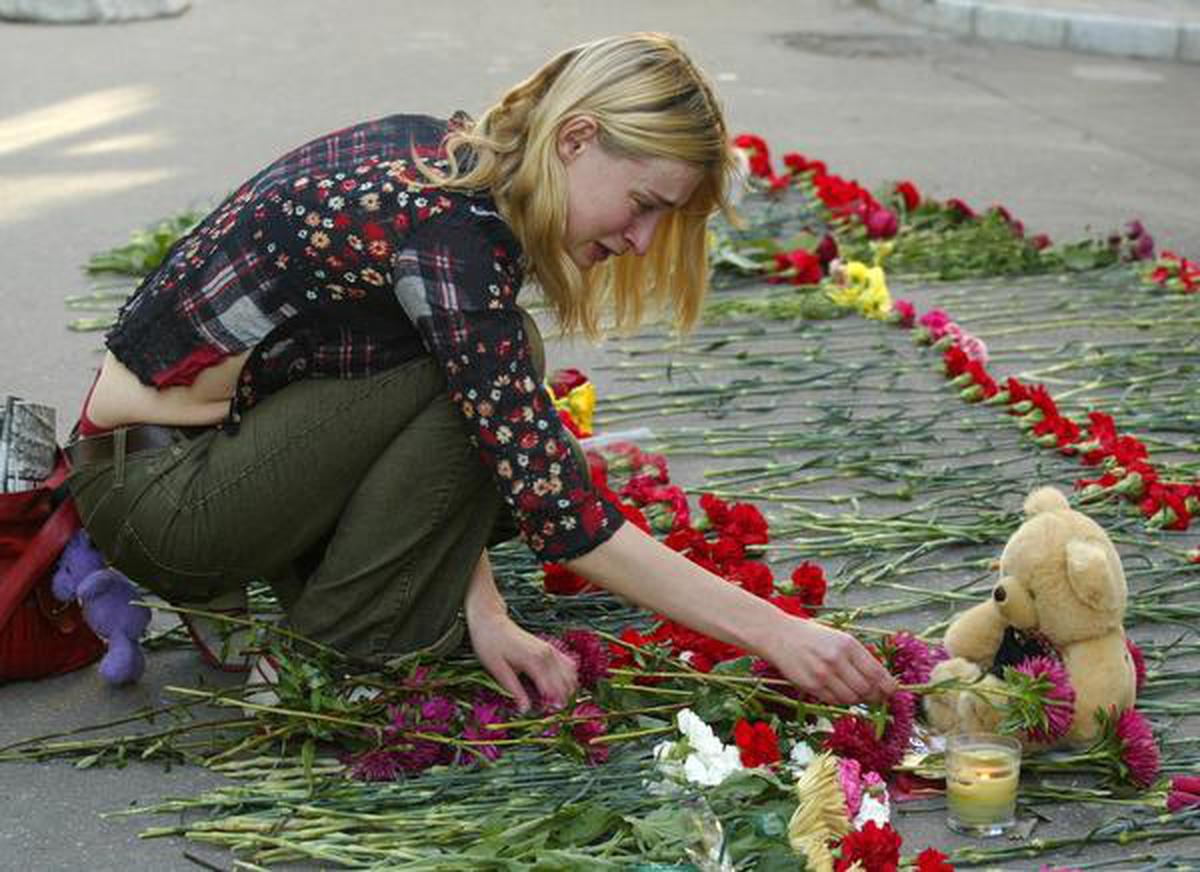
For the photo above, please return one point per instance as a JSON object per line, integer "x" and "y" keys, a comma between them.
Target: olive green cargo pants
{"x": 360, "y": 501}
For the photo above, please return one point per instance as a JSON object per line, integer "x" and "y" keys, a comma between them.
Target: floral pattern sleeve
{"x": 458, "y": 285}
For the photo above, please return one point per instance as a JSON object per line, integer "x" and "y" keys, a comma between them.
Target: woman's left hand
{"x": 507, "y": 652}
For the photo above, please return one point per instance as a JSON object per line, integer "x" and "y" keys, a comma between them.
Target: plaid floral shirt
{"x": 339, "y": 260}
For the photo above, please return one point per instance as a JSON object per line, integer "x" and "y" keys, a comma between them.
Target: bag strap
{"x": 41, "y": 552}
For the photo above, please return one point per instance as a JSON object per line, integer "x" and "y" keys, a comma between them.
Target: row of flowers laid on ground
{"x": 942, "y": 232}
{"x": 854, "y": 284}
{"x": 1126, "y": 469}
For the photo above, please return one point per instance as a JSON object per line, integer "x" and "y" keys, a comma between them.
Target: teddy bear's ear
{"x": 1045, "y": 499}
{"x": 1091, "y": 577}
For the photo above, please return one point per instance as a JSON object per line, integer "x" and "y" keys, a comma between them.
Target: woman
{"x": 329, "y": 384}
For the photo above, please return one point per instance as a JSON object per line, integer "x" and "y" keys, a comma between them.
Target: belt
{"x": 141, "y": 437}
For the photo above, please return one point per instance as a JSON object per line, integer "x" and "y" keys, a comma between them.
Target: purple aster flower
{"x": 417, "y": 755}
{"x": 378, "y": 765}
{"x": 590, "y": 728}
{"x": 1139, "y": 664}
{"x": 1058, "y": 701}
{"x": 487, "y": 709}
{"x": 1138, "y": 750}
{"x": 590, "y": 654}
{"x": 854, "y": 737}
{"x": 438, "y": 709}
{"x": 912, "y": 660}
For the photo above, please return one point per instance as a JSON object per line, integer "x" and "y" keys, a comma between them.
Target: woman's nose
{"x": 640, "y": 232}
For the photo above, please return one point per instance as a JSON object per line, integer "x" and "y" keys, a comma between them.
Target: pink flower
{"x": 1058, "y": 700}
{"x": 936, "y": 322}
{"x": 1184, "y": 793}
{"x": 1138, "y": 750}
{"x": 850, "y": 776}
{"x": 905, "y": 312}
{"x": 881, "y": 223}
{"x": 1139, "y": 664}
{"x": 973, "y": 347}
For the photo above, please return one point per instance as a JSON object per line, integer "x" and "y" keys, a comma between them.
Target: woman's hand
{"x": 507, "y": 652}
{"x": 826, "y": 663}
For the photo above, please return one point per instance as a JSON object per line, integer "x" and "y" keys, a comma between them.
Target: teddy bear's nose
{"x": 999, "y": 595}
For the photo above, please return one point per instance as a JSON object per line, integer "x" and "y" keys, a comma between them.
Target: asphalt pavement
{"x": 104, "y": 129}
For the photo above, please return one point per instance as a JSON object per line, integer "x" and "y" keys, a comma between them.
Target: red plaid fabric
{"x": 338, "y": 260}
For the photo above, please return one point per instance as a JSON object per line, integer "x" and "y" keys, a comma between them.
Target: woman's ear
{"x": 575, "y": 136}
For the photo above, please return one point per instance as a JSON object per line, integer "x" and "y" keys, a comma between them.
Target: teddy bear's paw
{"x": 942, "y": 710}
{"x": 980, "y": 710}
{"x": 954, "y": 669}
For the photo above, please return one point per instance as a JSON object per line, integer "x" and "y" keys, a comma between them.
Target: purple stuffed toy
{"x": 105, "y": 595}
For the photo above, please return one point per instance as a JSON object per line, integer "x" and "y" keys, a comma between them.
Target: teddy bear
{"x": 1061, "y": 593}
{"x": 106, "y": 597}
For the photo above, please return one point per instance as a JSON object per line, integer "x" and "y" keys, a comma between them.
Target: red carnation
{"x": 797, "y": 267}
{"x": 960, "y": 208}
{"x": 808, "y": 579}
{"x": 747, "y": 525}
{"x": 909, "y": 193}
{"x": 715, "y": 508}
{"x": 932, "y": 860}
{"x": 759, "y": 154}
{"x": 563, "y": 381}
{"x": 793, "y": 605}
{"x": 874, "y": 848}
{"x": 757, "y": 743}
{"x": 560, "y": 580}
{"x": 754, "y": 577}
{"x": 905, "y": 312}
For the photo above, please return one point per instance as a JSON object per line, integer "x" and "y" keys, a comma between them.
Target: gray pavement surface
{"x": 106, "y": 129}
{"x": 1159, "y": 29}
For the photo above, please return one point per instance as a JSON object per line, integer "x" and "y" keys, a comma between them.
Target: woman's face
{"x": 615, "y": 203}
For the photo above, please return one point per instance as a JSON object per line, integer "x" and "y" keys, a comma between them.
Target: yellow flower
{"x": 821, "y": 816}
{"x": 580, "y": 404}
{"x": 863, "y": 288}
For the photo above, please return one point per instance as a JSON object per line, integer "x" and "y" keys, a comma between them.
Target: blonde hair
{"x": 649, "y": 101}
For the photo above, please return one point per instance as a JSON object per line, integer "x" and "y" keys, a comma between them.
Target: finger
{"x": 881, "y": 683}
{"x": 837, "y": 691}
{"x": 857, "y": 681}
{"x": 555, "y": 677}
{"x": 508, "y": 679}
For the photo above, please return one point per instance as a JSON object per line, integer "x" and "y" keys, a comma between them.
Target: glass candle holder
{"x": 982, "y": 771}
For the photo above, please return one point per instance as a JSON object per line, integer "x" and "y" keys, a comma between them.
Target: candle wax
{"x": 981, "y": 785}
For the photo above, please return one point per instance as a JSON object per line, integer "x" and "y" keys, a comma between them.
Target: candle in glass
{"x": 981, "y": 783}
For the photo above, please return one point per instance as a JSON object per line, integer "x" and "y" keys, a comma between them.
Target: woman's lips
{"x": 599, "y": 252}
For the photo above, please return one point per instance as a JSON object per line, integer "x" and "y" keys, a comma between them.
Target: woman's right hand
{"x": 825, "y": 663}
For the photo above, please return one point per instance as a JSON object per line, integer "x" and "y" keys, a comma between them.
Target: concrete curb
{"x": 1125, "y": 36}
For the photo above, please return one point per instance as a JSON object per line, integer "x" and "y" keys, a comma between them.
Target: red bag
{"x": 39, "y": 636}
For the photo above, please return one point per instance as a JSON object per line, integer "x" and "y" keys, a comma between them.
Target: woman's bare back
{"x": 120, "y": 399}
